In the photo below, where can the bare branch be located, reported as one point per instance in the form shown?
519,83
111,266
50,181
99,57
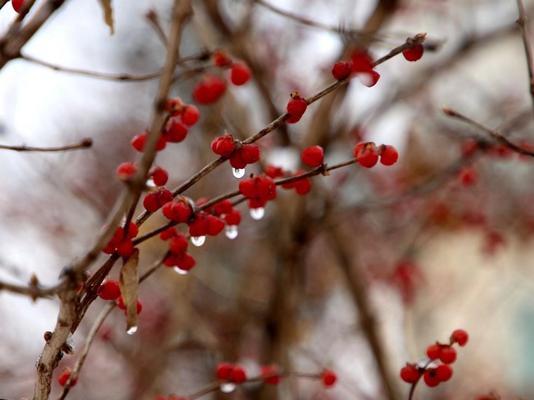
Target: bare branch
84,144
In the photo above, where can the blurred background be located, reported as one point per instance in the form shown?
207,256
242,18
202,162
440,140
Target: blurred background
359,276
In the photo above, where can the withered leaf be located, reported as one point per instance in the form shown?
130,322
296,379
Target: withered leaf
108,14
129,284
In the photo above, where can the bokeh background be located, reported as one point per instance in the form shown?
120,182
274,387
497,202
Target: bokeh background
404,254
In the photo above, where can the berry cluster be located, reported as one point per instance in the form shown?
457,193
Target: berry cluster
212,87
240,154
121,242
360,64
258,190
367,154
438,368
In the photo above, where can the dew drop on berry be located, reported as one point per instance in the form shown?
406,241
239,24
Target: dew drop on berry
131,330
150,183
198,240
238,172
257,213
227,387
231,232
180,271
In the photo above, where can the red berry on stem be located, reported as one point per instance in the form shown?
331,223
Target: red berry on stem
221,59
109,290
342,70
328,378
366,154
159,176
126,170
175,131
361,61
430,377
240,74
238,375
296,107
270,374
388,155
459,336
312,156
17,5
447,355
223,145
444,372
209,89
409,373
190,115
413,53
224,371
433,351
178,244
138,142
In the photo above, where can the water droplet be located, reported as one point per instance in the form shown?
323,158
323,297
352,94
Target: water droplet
257,213
180,271
227,387
238,172
231,232
150,183
131,330
198,240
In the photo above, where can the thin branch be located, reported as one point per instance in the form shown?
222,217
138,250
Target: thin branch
84,144
153,20
525,34
497,136
33,291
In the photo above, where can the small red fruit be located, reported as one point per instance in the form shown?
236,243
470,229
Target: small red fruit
430,377
64,377
240,74
433,351
328,378
270,374
413,53
17,5
126,171
159,176
388,155
175,131
366,154
342,70
296,107
444,372
312,156
190,115
109,290
447,355
238,375
224,371
223,145
409,373
459,336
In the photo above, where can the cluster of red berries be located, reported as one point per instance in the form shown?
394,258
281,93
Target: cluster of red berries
361,63
225,210
126,170
258,190
63,378
367,154
157,198
302,186
212,87
177,255
110,290
434,374
230,373
240,154
181,117
121,242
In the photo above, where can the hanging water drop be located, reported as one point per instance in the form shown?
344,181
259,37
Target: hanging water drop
231,232
198,240
180,271
131,330
257,213
227,387
238,172
150,183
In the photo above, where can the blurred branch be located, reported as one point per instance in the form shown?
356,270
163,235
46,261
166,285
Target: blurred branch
525,34
84,144
153,19
497,136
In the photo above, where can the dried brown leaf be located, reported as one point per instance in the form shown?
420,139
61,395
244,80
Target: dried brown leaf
129,284
108,14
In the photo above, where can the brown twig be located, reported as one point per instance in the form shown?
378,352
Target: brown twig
153,19
525,34
84,144
497,136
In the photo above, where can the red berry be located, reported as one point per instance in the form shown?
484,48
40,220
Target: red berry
177,211
126,170
150,202
444,372
433,351
178,244
125,248
459,336
109,290
233,218
199,226
447,355
240,74
296,107
328,378
274,172
468,176
223,145
185,262
250,153
430,377
361,61
388,155
168,233
342,70
209,89
312,156
221,59
370,78
302,186
215,225
138,142
223,207
159,176
409,373
366,154
413,53
224,371
17,5
64,377
238,375
190,115
270,374
175,131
